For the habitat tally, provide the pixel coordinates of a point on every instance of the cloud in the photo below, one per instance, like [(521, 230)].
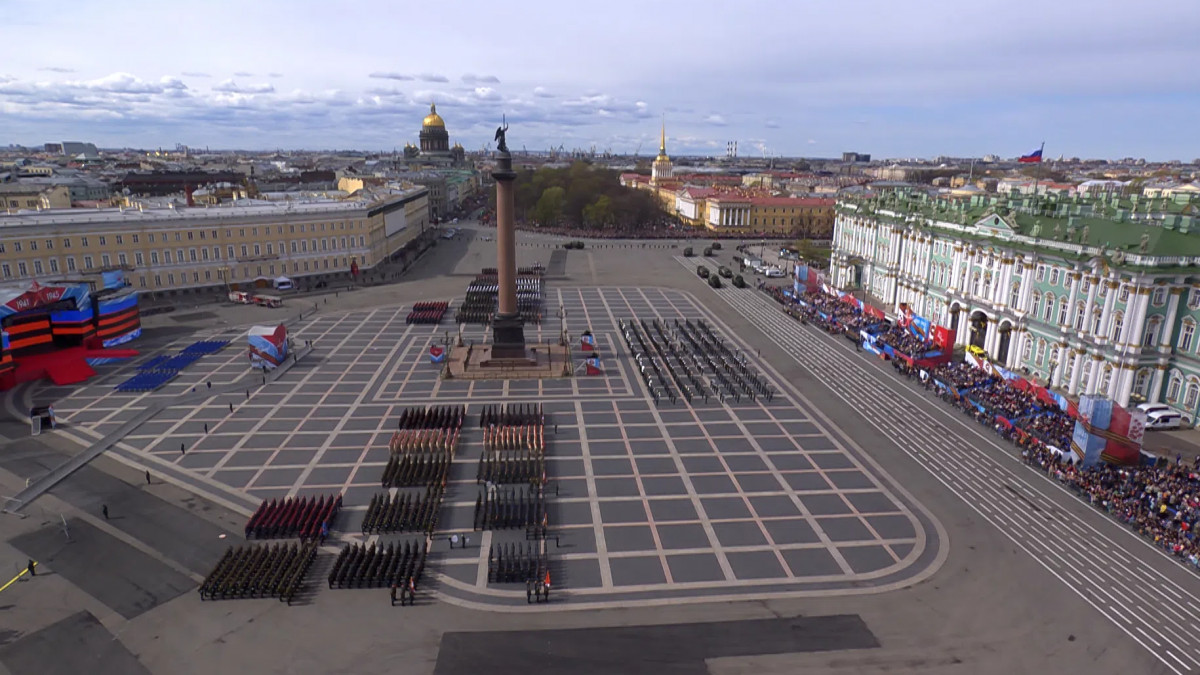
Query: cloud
[(390, 76), (192, 73), (231, 87), (715, 120), (486, 94), (274, 74), (57, 69), (812, 141), (430, 77), (772, 124), (242, 73), (542, 92), (480, 79), (118, 83)]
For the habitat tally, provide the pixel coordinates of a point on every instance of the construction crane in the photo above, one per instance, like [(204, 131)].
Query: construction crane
[(639, 150)]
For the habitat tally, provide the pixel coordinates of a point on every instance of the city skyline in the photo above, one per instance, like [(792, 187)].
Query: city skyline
[(803, 80)]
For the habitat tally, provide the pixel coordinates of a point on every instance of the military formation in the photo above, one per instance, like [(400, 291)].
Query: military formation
[(427, 313), (479, 304), (303, 517), (687, 360), (393, 566), (404, 512), (510, 508), (413, 469), (266, 571)]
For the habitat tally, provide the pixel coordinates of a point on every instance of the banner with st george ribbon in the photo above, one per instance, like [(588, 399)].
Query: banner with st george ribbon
[(437, 353)]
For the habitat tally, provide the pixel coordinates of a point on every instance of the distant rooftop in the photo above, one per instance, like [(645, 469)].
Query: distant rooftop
[(162, 211), (1072, 226)]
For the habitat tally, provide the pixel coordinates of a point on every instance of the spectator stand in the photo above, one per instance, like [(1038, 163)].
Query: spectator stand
[(161, 369)]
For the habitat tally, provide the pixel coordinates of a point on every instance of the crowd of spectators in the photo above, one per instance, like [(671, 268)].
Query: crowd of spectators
[(838, 316), (1161, 504), (903, 341)]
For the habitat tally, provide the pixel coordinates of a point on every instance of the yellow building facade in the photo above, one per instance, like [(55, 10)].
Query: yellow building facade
[(176, 250)]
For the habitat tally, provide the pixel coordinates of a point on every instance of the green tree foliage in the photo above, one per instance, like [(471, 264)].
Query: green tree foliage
[(582, 195), (549, 208)]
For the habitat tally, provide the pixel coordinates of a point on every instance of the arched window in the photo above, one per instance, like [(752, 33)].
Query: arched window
[(1014, 295), (1173, 385), (1118, 320), (1026, 349), (1150, 337), (1040, 356), (1096, 322), (1141, 382), (1187, 331), (1080, 313), (1105, 378), (1062, 311), (1035, 308), (1191, 394), (1049, 309)]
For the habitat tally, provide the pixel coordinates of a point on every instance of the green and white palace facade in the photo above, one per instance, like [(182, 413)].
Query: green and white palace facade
[(1094, 296)]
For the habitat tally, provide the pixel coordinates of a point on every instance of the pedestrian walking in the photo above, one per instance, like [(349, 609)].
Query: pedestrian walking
[(231, 407), (209, 383), (30, 566), (147, 476), (182, 449), (247, 394), (206, 427), (104, 510), (393, 594)]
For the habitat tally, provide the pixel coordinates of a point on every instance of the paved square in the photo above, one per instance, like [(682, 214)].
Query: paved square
[(656, 500)]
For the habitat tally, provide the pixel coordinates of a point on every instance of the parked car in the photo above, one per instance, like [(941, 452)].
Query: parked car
[(708, 252), (1164, 419), (774, 272), (702, 271), (716, 246), (725, 272), (739, 282), (687, 252), (714, 281)]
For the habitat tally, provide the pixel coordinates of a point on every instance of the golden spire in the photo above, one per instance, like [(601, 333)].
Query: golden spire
[(662, 143)]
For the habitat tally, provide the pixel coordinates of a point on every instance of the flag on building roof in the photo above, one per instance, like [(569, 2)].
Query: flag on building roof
[(1032, 158)]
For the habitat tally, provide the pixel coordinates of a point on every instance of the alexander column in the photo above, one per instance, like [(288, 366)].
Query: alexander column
[(507, 327)]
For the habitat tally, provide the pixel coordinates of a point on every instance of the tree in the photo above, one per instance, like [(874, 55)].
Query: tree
[(549, 209), (598, 213)]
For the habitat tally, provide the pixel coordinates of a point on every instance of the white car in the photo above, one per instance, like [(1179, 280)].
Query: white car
[(774, 272)]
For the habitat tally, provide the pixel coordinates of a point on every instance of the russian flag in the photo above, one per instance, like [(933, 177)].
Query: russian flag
[(1032, 158)]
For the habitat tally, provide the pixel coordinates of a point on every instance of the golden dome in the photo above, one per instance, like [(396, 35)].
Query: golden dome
[(433, 119)]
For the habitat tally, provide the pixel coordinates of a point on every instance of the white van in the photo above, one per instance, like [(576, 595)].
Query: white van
[(1164, 419), (1153, 407)]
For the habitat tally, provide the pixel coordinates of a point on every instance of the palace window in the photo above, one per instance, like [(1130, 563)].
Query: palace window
[(1062, 311), (1123, 294), (1159, 297), (1187, 331), (1049, 311), (1141, 382), (1150, 336), (1118, 320), (1080, 312), (1041, 273), (1054, 276), (1192, 393)]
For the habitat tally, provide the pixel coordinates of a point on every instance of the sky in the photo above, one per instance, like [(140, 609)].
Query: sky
[(1090, 78)]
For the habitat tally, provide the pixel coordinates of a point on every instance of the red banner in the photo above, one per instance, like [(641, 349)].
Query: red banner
[(944, 338), (36, 296)]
